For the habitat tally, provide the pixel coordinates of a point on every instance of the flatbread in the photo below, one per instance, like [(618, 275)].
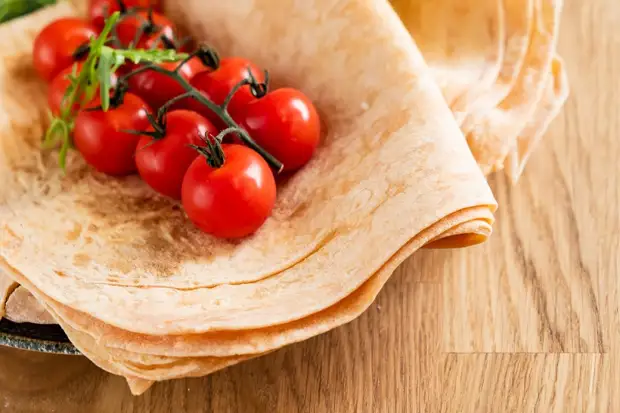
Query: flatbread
[(555, 95), (7, 286), (492, 109), (493, 134), (23, 307), (518, 18), (393, 174), (142, 368), (517, 15), (222, 344), (462, 42), (382, 176)]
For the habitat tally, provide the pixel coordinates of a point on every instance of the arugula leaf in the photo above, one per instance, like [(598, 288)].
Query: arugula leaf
[(97, 70), (103, 71), (147, 55), (10, 9)]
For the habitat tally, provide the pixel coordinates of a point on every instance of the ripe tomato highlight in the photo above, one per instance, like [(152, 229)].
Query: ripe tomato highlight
[(285, 123), (232, 201), (99, 10), (162, 163), (99, 135), (54, 45), (60, 83), (216, 84), (157, 88)]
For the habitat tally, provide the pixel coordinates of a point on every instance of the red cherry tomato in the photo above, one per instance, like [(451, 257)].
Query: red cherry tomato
[(127, 29), (162, 163), (216, 85), (99, 135), (54, 45), (232, 201), (58, 87), (99, 10), (285, 123), (156, 88)]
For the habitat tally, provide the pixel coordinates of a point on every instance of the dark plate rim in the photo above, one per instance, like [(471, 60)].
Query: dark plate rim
[(44, 338)]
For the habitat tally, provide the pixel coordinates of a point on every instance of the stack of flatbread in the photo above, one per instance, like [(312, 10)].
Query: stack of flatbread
[(496, 64), (409, 107)]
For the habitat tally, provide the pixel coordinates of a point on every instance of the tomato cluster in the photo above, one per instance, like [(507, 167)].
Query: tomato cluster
[(227, 189)]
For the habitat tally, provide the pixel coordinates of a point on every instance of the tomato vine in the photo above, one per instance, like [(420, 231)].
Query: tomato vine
[(99, 65), (102, 61)]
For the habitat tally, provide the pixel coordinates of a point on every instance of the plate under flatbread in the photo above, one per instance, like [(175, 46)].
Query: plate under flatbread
[(35, 337)]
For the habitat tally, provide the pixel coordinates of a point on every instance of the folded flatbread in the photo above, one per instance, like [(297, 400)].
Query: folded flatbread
[(463, 43), (554, 95), (7, 286), (23, 307), (394, 174), (494, 61)]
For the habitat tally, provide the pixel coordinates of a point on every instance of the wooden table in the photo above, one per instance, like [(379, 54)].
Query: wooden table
[(528, 322)]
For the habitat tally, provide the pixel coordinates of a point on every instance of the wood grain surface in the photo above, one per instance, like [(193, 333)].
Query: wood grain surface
[(529, 322)]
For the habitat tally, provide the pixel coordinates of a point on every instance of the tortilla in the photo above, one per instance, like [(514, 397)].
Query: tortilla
[(379, 179), (22, 307), (462, 42), (555, 94), (7, 286), (492, 135), (143, 367), (518, 18), (222, 344), (393, 175), (379, 188), (492, 114)]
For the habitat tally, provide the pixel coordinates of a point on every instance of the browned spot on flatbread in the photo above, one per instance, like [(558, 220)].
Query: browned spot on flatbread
[(151, 232), (300, 209), (21, 68), (121, 266), (81, 260), (385, 131), (60, 273), (11, 233), (158, 243), (74, 233), (395, 190), (23, 81)]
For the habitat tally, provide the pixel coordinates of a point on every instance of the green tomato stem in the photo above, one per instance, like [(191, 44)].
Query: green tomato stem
[(103, 60), (121, 6), (161, 112), (220, 111), (187, 59), (234, 90)]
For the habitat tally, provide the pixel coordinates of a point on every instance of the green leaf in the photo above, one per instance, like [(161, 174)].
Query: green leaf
[(57, 131), (151, 56), (62, 154), (10, 9), (98, 42), (117, 59), (103, 70), (101, 63)]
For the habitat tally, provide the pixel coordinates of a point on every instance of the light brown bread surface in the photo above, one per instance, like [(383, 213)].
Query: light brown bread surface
[(393, 174)]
